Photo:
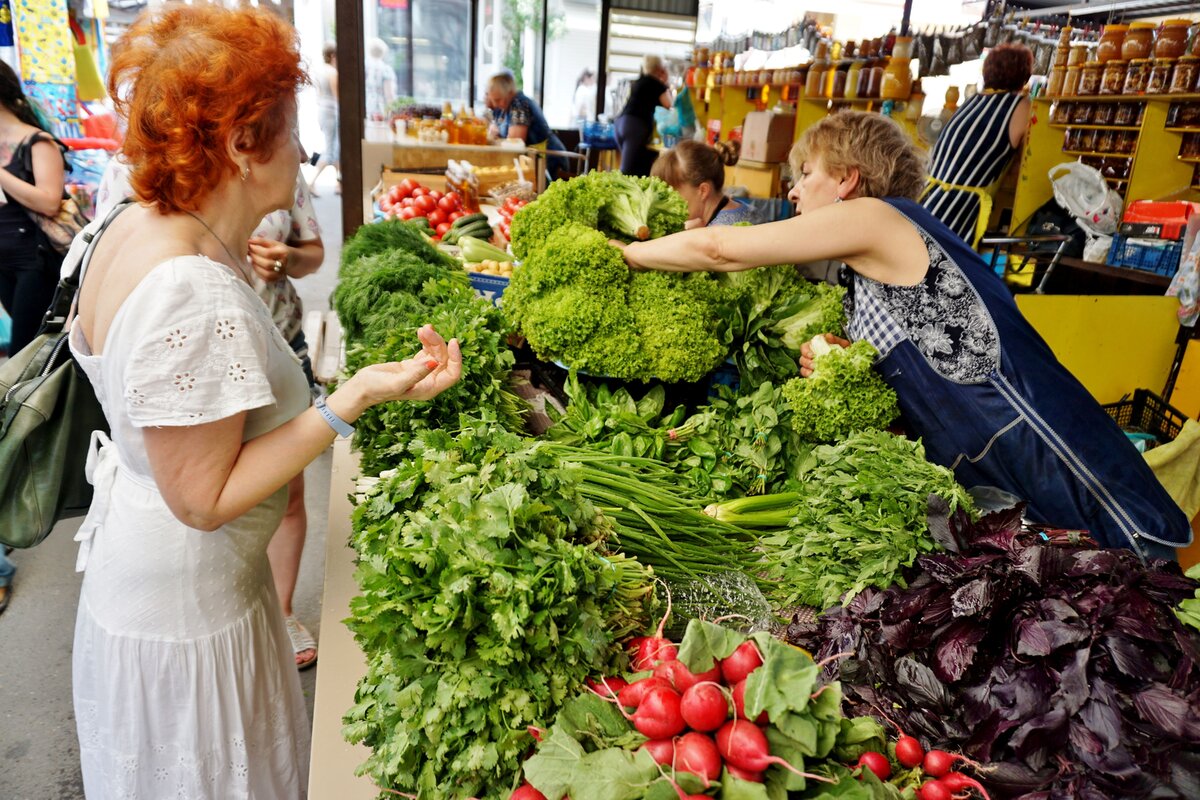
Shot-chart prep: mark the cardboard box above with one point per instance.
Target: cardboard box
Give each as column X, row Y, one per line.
column 759, row 180
column 767, row 136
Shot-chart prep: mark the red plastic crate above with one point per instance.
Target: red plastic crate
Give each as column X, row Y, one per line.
column 1170, row 218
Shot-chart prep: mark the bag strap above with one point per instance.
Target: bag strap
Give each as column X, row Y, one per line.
column 68, row 285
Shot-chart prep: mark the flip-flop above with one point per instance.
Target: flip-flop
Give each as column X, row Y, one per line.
column 5, row 596
column 301, row 640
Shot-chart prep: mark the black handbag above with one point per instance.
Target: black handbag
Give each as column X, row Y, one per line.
column 48, row 411
column 60, row 229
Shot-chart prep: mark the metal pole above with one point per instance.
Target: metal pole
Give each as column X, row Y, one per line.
column 906, row 19
column 541, row 88
column 352, row 108
column 602, row 67
column 474, row 53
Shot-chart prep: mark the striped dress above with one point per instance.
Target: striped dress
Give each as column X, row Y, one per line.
column 972, row 150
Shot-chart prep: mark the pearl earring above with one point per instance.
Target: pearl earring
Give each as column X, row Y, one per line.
column 245, row 173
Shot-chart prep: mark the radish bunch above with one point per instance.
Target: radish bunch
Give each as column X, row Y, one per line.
column 942, row 783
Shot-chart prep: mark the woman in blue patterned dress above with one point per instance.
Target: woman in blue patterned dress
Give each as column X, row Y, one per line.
column 975, row 381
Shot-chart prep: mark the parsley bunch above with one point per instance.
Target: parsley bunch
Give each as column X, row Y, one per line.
column 488, row 596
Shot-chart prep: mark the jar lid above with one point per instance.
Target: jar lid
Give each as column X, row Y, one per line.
column 1093, row 65
column 1177, row 23
column 1116, row 62
column 1163, row 62
column 1142, row 26
column 1139, row 62
column 1116, row 28
column 1189, row 59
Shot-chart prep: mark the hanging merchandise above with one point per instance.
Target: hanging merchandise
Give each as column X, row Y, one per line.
column 88, row 83
column 973, row 43
column 6, row 27
column 48, row 64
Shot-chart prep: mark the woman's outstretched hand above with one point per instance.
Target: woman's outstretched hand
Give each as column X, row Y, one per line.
column 423, row 377
column 806, row 353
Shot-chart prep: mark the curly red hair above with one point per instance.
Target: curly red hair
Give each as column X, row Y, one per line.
column 186, row 78
column 1007, row 67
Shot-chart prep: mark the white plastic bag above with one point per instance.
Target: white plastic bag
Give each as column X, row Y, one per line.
column 1097, row 248
column 1082, row 191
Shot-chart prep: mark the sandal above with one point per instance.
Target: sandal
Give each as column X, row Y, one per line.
column 5, row 596
column 302, row 640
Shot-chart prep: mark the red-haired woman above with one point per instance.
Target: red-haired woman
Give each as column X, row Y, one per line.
column 978, row 142
column 183, row 676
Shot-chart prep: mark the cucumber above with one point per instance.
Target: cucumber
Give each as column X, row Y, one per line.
column 480, row 230
column 450, row 237
column 469, row 219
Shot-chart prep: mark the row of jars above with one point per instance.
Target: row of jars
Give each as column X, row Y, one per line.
column 1080, row 113
column 1140, row 76
column 1183, row 115
column 1117, row 170
column 1145, row 40
column 1108, row 142
column 860, row 79
column 1190, row 146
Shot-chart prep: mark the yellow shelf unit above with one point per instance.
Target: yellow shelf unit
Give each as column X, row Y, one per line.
column 1063, row 126
column 1156, row 171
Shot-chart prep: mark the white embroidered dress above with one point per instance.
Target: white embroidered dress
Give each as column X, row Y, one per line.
column 184, row 679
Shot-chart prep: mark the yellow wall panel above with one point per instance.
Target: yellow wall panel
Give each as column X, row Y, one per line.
column 1112, row 344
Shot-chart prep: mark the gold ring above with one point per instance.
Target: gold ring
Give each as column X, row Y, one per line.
column 278, row 265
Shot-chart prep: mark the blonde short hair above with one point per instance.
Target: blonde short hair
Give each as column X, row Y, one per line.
column 651, row 64
column 888, row 163
column 503, row 82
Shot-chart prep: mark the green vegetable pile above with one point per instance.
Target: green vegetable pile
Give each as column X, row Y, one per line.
column 773, row 313
column 1189, row 610
column 860, row 518
column 489, row 593
column 619, row 206
column 843, row 395
column 392, row 281
column 575, row 300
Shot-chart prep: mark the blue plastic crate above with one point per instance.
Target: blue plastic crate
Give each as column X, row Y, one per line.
column 599, row 134
column 489, row 287
column 1160, row 256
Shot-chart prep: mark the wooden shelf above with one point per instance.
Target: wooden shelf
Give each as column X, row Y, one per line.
column 1128, row 156
column 1194, row 129
column 1111, row 98
column 1069, row 126
column 1189, row 159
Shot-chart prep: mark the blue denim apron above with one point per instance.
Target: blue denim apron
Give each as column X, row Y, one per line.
column 989, row 399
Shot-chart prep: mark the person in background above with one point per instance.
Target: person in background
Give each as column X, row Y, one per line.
column 380, row 81
column 28, row 265
column 515, row 115
column 634, row 127
column 697, row 172
column 326, row 81
column 286, row 246
column 975, row 381
column 977, row 144
column 584, row 101
column 7, row 570
column 182, row 665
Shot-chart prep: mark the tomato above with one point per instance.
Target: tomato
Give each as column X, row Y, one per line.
column 437, row 217
column 435, row 194
column 407, row 213
column 404, row 202
column 385, row 205
column 454, row 215
column 446, row 203
column 442, row 228
column 406, row 186
column 425, row 204
column 420, row 191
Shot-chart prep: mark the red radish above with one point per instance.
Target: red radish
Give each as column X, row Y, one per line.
column 744, row 774
column 697, row 754
column 526, row 792
column 661, row 750
column 938, row 762
column 607, row 687
column 658, row 716
column 744, row 745
column 704, row 707
column 633, row 694
column 909, row 751
column 739, row 703
column 877, row 763
column 536, row 733
column 653, row 649
column 741, row 662
column 934, row 790
column 682, row 678
column 957, row 782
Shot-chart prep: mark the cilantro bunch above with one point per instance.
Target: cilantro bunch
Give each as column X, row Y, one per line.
column 843, row 395
column 488, row 596
column 575, row 300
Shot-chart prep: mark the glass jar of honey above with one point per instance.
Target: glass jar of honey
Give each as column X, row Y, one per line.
column 1110, row 43
column 1104, row 114
column 1160, row 76
column 1081, row 113
column 1137, row 77
column 1184, row 76
column 1089, row 79
column 1071, row 82
column 1138, row 42
column 1172, row 39
column 1112, row 81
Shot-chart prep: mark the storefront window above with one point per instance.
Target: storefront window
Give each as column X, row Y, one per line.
column 428, row 48
column 568, row 97
column 510, row 38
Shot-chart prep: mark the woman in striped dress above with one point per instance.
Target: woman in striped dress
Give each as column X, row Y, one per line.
column 978, row 142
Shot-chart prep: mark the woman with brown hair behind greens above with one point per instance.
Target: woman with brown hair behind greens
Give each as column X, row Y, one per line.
column 697, row 172
column 975, row 381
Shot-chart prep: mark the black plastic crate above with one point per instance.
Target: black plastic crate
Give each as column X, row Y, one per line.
column 1148, row 413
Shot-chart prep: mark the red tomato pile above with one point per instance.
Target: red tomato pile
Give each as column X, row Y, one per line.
column 511, row 206
column 410, row 200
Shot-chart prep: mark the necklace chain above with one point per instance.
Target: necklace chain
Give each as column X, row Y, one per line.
column 221, row 242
